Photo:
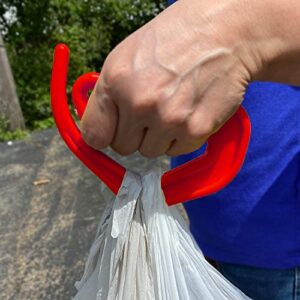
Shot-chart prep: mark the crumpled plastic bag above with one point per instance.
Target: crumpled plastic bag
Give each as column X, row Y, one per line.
column 144, row 250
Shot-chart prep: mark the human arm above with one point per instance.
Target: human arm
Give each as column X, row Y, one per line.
column 175, row 81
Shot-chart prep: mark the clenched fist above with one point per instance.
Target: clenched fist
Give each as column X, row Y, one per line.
column 171, row 84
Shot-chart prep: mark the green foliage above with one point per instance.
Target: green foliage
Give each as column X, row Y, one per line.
column 6, row 135
column 91, row 29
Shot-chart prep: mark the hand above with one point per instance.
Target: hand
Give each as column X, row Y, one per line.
column 171, row 84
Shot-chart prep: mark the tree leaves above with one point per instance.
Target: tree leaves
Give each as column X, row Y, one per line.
column 91, row 28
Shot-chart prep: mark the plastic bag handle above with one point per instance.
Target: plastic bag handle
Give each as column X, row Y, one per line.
column 200, row 177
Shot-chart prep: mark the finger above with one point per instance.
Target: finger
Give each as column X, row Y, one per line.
column 192, row 134
column 200, row 126
column 155, row 143
column 180, row 147
column 128, row 136
column 99, row 120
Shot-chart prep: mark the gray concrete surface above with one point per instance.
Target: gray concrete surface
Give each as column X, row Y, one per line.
column 50, row 205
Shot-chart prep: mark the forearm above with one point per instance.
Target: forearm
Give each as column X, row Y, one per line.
column 280, row 57
column 264, row 34
column 175, row 81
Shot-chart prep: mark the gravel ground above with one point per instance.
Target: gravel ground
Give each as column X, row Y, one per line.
column 50, row 205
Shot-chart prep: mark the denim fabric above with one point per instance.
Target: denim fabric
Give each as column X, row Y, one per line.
column 264, row 284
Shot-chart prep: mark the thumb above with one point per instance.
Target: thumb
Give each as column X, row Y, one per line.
column 99, row 121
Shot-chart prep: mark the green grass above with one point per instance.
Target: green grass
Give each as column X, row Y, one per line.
column 7, row 135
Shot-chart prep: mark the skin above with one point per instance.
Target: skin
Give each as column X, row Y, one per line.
column 174, row 82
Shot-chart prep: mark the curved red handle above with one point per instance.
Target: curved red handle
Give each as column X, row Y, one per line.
column 200, row 177
column 216, row 168
column 104, row 167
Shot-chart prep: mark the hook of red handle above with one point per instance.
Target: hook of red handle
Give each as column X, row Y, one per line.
column 200, row 177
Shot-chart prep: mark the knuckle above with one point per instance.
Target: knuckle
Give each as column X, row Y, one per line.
column 199, row 130
column 145, row 99
column 89, row 137
column 142, row 104
column 113, row 75
column 172, row 120
column 207, row 128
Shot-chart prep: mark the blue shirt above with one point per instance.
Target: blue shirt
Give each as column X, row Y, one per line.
column 255, row 220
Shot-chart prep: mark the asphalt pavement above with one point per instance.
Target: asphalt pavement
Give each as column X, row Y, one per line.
column 50, row 206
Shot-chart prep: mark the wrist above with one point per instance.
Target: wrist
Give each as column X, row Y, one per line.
column 264, row 35
column 276, row 41
column 251, row 30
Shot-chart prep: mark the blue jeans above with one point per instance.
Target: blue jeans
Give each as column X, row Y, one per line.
column 263, row 284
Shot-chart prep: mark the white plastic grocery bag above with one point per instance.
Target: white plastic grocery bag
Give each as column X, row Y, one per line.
column 144, row 250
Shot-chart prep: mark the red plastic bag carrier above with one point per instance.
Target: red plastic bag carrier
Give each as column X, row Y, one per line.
column 200, row 177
